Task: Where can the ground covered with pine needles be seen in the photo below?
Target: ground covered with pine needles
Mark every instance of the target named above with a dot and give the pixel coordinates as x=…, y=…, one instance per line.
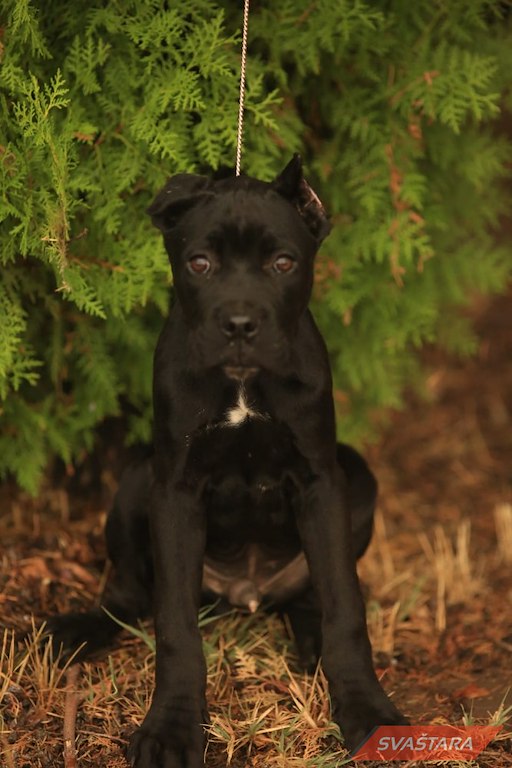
x=437, y=580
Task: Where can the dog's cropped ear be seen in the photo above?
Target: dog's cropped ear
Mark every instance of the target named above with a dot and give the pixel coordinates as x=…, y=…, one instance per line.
x=292, y=185
x=179, y=194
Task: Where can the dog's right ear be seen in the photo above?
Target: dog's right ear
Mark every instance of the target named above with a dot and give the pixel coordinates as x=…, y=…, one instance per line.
x=179, y=194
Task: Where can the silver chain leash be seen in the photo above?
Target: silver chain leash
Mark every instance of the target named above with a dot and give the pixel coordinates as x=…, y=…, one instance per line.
x=242, y=89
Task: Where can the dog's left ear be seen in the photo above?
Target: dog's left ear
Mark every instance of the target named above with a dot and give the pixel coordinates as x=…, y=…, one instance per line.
x=292, y=185
x=180, y=193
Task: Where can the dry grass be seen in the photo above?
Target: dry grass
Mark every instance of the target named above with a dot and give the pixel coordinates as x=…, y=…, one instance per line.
x=263, y=710
x=503, y=522
x=458, y=577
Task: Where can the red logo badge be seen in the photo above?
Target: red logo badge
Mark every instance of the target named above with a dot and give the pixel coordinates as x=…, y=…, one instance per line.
x=426, y=742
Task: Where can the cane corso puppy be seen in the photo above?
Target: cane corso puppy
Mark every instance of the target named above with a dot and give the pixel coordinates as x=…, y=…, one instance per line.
x=248, y=496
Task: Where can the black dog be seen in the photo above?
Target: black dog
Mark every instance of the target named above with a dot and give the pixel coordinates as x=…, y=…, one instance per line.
x=248, y=495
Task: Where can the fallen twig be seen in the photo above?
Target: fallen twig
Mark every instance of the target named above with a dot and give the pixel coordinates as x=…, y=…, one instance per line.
x=70, y=710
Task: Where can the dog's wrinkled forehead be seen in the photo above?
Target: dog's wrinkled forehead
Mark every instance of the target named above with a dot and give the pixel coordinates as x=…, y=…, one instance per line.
x=242, y=216
x=243, y=205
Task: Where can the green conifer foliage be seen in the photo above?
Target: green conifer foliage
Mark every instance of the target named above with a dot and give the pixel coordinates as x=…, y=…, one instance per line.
x=392, y=105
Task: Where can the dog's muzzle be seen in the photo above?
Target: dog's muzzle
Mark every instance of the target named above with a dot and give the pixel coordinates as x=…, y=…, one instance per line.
x=240, y=329
x=240, y=372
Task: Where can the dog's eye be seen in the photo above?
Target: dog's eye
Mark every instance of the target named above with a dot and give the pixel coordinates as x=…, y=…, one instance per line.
x=199, y=264
x=283, y=263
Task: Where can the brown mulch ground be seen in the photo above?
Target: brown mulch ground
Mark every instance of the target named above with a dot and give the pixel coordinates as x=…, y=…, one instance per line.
x=438, y=579
x=444, y=465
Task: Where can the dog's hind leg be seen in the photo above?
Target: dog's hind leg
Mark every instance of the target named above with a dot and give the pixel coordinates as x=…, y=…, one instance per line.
x=127, y=596
x=303, y=611
x=361, y=493
x=304, y=616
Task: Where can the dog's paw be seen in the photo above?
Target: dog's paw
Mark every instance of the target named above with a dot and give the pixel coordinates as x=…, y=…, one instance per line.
x=79, y=634
x=170, y=737
x=359, y=718
x=308, y=652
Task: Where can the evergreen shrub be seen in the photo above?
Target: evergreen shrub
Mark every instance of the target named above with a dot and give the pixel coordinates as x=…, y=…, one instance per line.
x=393, y=106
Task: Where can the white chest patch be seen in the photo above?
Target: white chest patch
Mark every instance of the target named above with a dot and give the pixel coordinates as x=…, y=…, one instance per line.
x=241, y=411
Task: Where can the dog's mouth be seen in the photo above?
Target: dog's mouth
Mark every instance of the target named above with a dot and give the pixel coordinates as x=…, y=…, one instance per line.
x=240, y=372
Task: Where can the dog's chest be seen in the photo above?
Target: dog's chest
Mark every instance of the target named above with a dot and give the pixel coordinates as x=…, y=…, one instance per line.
x=252, y=472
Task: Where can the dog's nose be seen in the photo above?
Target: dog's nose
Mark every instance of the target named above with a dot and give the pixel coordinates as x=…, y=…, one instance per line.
x=239, y=327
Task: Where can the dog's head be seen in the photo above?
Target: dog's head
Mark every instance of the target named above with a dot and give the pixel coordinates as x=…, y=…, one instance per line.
x=242, y=253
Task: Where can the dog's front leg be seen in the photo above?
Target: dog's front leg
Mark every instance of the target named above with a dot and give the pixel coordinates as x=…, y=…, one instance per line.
x=359, y=702
x=172, y=735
